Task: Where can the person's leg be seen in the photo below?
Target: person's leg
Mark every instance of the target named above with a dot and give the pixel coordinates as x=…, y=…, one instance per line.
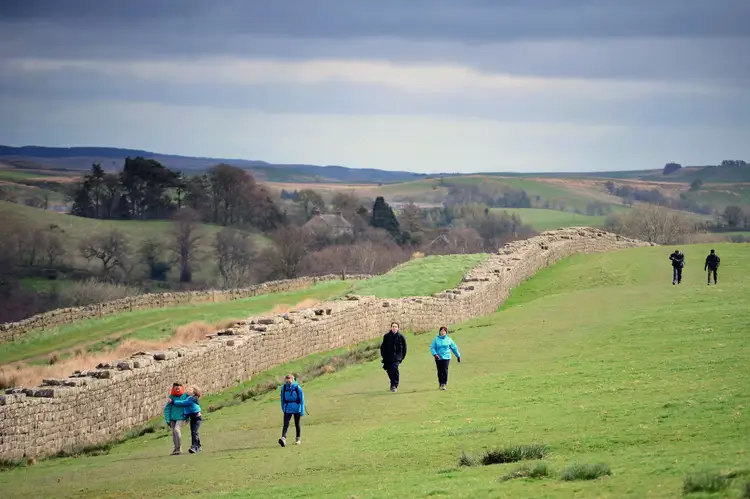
x=177, y=436
x=674, y=275
x=679, y=275
x=445, y=371
x=195, y=424
x=391, y=375
x=709, y=277
x=396, y=375
x=439, y=368
x=284, y=429
x=298, y=427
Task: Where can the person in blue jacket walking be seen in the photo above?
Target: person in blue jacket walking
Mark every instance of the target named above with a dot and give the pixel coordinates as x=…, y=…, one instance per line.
x=292, y=404
x=175, y=416
x=192, y=410
x=441, y=349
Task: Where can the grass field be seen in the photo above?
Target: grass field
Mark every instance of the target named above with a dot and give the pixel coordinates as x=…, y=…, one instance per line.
x=552, y=219
x=420, y=277
x=599, y=358
x=77, y=229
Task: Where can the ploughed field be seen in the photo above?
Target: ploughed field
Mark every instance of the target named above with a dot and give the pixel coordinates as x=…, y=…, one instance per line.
x=597, y=361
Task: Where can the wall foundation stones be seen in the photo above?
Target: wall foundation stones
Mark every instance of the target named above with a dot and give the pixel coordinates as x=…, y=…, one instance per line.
x=92, y=407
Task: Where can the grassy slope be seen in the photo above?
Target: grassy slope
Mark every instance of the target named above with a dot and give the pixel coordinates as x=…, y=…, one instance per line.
x=157, y=323
x=599, y=357
x=76, y=229
x=552, y=219
x=421, y=277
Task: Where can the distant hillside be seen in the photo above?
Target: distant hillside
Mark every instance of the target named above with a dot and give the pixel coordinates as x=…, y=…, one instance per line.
x=81, y=158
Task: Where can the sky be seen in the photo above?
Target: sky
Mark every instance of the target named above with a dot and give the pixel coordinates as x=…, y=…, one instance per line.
x=418, y=85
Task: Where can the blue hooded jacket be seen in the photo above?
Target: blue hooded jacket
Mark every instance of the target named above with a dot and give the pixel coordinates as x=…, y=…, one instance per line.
x=173, y=412
x=292, y=399
x=189, y=405
x=442, y=346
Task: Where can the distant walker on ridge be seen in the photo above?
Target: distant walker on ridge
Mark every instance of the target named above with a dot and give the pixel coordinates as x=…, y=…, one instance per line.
x=678, y=262
x=712, y=265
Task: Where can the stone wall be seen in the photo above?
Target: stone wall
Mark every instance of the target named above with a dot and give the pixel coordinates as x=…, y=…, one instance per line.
x=95, y=406
x=11, y=331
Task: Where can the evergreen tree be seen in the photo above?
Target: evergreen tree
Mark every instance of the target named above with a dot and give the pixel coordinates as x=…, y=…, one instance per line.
x=383, y=218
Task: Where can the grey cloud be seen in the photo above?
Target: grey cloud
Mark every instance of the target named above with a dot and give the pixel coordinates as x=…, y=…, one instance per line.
x=657, y=108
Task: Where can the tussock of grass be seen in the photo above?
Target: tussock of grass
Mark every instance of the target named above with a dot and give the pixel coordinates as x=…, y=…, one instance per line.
x=539, y=470
x=704, y=482
x=585, y=472
x=9, y=464
x=514, y=453
x=467, y=460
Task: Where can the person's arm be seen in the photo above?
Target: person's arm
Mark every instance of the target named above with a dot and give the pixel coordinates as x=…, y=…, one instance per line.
x=167, y=412
x=382, y=348
x=454, y=348
x=433, y=350
x=282, y=397
x=184, y=402
x=718, y=261
x=301, y=401
x=705, y=265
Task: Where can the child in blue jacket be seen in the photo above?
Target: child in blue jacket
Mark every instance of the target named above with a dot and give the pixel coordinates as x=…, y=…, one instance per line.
x=192, y=411
x=175, y=416
x=292, y=404
x=441, y=349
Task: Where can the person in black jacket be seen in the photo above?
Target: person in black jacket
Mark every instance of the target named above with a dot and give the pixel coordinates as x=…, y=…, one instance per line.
x=712, y=265
x=678, y=262
x=393, y=352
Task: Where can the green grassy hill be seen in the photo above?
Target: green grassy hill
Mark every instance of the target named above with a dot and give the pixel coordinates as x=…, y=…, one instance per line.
x=599, y=358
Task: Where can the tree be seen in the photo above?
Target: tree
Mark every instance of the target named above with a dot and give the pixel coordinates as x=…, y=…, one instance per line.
x=383, y=218
x=671, y=168
x=310, y=201
x=696, y=184
x=111, y=248
x=658, y=225
x=54, y=247
x=186, y=234
x=411, y=221
x=151, y=251
x=234, y=257
x=734, y=216
x=290, y=246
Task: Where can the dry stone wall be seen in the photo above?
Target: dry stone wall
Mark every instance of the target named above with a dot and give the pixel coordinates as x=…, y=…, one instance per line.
x=11, y=331
x=95, y=406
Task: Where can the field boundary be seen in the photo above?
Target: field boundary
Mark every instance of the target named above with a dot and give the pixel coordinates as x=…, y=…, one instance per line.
x=86, y=409
x=11, y=331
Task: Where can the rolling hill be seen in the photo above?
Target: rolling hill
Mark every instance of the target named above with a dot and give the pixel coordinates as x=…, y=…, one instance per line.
x=594, y=360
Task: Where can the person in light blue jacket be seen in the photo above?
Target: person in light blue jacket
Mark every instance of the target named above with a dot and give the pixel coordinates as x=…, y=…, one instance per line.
x=441, y=349
x=292, y=404
x=192, y=410
x=175, y=416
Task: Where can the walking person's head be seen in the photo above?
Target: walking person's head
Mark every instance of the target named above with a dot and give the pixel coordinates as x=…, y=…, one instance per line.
x=394, y=327
x=289, y=379
x=177, y=390
x=712, y=252
x=443, y=331
x=194, y=391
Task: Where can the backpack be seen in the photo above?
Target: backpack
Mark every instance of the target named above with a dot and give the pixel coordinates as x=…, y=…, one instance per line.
x=296, y=392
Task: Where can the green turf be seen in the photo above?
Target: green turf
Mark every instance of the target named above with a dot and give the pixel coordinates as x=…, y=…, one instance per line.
x=598, y=357
x=76, y=229
x=420, y=277
x=157, y=323
x=552, y=219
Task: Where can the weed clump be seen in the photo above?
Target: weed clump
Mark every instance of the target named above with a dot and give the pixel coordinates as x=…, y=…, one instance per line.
x=704, y=482
x=514, y=453
x=466, y=460
x=585, y=472
x=539, y=470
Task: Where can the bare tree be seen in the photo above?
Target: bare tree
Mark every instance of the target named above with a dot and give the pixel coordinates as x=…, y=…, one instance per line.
x=234, y=255
x=29, y=245
x=151, y=251
x=284, y=258
x=657, y=224
x=186, y=234
x=111, y=248
x=54, y=247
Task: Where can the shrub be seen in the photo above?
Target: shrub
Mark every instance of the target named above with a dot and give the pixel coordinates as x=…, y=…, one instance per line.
x=585, y=472
x=539, y=470
x=514, y=453
x=91, y=291
x=704, y=482
x=466, y=460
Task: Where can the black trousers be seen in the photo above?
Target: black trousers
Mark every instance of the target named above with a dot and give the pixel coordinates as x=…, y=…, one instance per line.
x=195, y=424
x=392, y=369
x=297, y=426
x=442, y=370
x=677, y=274
x=709, y=275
